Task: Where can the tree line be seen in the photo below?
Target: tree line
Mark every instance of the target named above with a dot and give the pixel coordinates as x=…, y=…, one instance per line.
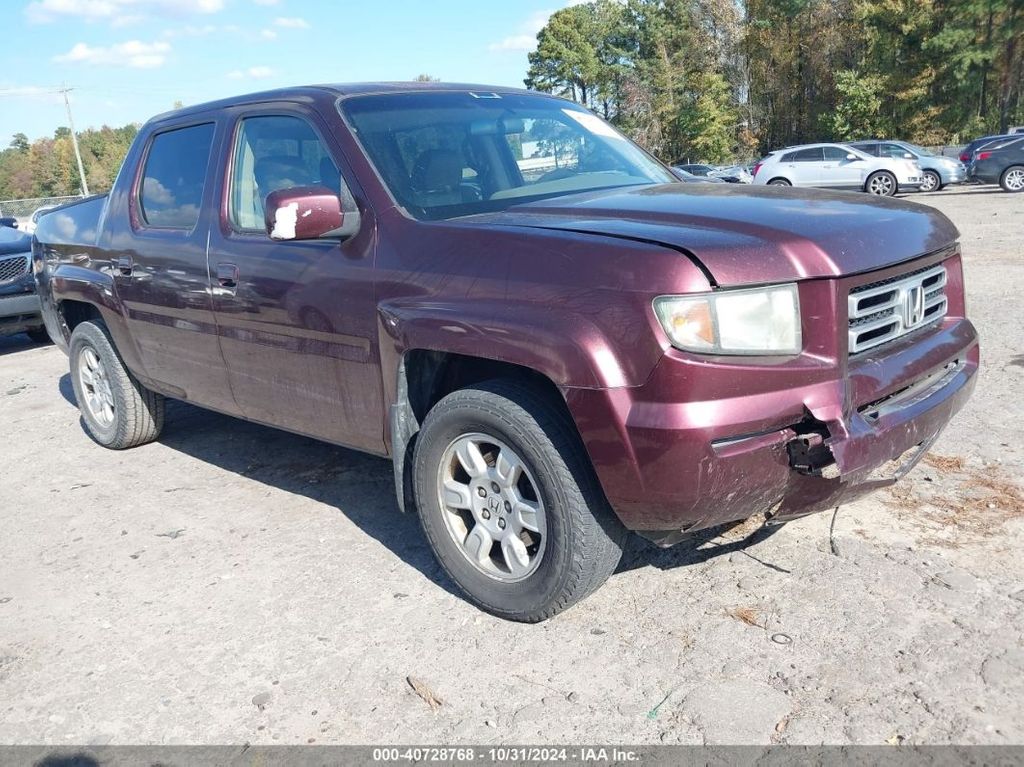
x=714, y=79
x=46, y=167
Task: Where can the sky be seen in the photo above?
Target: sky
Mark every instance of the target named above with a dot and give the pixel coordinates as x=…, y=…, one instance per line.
x=127, y=60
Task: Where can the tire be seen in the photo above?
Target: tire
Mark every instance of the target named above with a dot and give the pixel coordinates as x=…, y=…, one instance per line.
x=779, y=182
x=932, y=182
x=118, y=411
x=576, y=541
x=881, y=183
x=38, y=336
x=1012, y=179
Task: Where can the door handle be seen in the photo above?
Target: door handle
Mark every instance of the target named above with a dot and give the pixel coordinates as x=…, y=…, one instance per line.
x=125, y=266
x=227, y=276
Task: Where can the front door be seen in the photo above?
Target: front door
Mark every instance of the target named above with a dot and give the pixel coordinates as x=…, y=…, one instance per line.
x=160, y=268
x=840, y=171
x=297, y=319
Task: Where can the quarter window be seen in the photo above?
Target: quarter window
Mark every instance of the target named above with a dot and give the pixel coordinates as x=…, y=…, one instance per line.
x=275, y=152
x=174, y=177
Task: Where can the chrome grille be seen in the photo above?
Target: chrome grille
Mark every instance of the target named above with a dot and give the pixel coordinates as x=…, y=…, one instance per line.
x=13, y=267
x=883, y=311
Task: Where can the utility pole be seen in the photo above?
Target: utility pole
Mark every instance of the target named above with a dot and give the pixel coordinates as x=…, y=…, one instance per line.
x=74, y=141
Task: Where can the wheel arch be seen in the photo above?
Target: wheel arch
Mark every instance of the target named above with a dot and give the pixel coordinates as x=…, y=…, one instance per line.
x=424, y=377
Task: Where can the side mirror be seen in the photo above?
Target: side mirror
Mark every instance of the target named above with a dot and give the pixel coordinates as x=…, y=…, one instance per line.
x=852, y=156
x=307, y=213
x=908, y=156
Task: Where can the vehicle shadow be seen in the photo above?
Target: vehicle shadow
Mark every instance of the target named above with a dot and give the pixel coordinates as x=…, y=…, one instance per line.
x=361, y=487
x=18, y=342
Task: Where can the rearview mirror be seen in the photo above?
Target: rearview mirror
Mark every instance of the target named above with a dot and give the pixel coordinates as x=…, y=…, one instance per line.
x=307, y=213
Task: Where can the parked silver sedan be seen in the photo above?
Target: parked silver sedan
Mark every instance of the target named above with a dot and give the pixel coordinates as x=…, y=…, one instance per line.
x=937, y=171
x=838, y=166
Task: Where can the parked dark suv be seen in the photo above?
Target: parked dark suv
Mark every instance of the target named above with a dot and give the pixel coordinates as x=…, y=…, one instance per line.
x=1001, y=162
x=19, y=304
x=551, y=338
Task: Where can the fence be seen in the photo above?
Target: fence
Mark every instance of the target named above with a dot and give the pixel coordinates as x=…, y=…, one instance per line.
x=22, y=209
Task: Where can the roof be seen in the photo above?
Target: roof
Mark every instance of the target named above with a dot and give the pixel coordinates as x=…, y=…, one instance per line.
x=311, y=92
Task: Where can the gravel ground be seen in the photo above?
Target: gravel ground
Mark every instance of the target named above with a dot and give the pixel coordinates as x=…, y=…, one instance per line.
x=233, y=584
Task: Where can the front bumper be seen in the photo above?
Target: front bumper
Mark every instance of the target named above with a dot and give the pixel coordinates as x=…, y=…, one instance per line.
x=669, y=467
x=19, y=313
x=952, y=175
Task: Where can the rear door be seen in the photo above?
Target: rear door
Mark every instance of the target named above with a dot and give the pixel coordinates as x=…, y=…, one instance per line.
x=297, y=319
x=160, y=269
x=806, y=167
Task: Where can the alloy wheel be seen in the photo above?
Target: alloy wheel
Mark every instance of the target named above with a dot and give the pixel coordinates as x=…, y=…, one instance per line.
x=92, y=375
x=930, y=182
x=1014, y=179
x=491, y=507
x=882, y=184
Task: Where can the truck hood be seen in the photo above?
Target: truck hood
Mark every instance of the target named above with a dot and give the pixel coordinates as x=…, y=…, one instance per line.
x=14, y=241
x=748, y=235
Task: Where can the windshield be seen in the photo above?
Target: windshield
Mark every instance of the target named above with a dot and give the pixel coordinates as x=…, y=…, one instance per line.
x=920, y=150
x=445, y=154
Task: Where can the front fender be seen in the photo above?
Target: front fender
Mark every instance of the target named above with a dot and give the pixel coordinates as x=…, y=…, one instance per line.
x=569, y=348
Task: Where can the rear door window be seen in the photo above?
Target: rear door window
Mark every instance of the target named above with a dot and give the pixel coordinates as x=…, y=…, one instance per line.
x=174, y=177
x=809, y=155
x=834, y=153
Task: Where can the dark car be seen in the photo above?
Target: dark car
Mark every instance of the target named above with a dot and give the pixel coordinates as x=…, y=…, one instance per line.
x=19, y=304
x=553, y=342
x=1001, y=162
x=8, y=222
x=967, y=153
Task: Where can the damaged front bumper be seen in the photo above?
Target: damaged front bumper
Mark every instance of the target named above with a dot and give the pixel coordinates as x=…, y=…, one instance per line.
x=784, y=440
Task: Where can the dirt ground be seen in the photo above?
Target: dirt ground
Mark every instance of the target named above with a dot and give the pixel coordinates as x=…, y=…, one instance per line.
x=234, y=584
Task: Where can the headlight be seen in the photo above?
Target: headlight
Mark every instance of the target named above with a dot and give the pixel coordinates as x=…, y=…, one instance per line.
x=749, y=321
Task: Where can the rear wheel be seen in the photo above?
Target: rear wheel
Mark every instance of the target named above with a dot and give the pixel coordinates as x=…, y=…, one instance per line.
x=1012, y=179
x=931, y=181
x=779, y=182
x=509, y=503
x=881, y=183
x=118, y=411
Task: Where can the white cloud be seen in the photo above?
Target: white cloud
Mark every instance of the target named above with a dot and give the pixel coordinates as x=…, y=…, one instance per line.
x=117, y=12
x=265, y=2
x=525, y=40
x=291, y=22
x=252, y=73
x=133, y=53
x=268, y=34
x=517, y=43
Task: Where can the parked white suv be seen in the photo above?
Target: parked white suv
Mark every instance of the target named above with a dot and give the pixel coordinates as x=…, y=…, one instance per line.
x=838, y=166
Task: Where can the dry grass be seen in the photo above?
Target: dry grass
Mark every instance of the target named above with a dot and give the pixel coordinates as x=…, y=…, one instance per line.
x=752, y=616
x=945, y=463
x=964, y=504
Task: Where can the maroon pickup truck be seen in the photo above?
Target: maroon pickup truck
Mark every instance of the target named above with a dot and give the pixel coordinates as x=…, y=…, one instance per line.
x=552, y=339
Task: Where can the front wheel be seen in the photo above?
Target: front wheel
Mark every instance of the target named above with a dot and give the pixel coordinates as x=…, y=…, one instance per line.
x=1012, y=179
x=931, y=181
x=509, y=502
x=882, y=183
x=118, y=411
x=779, y=182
